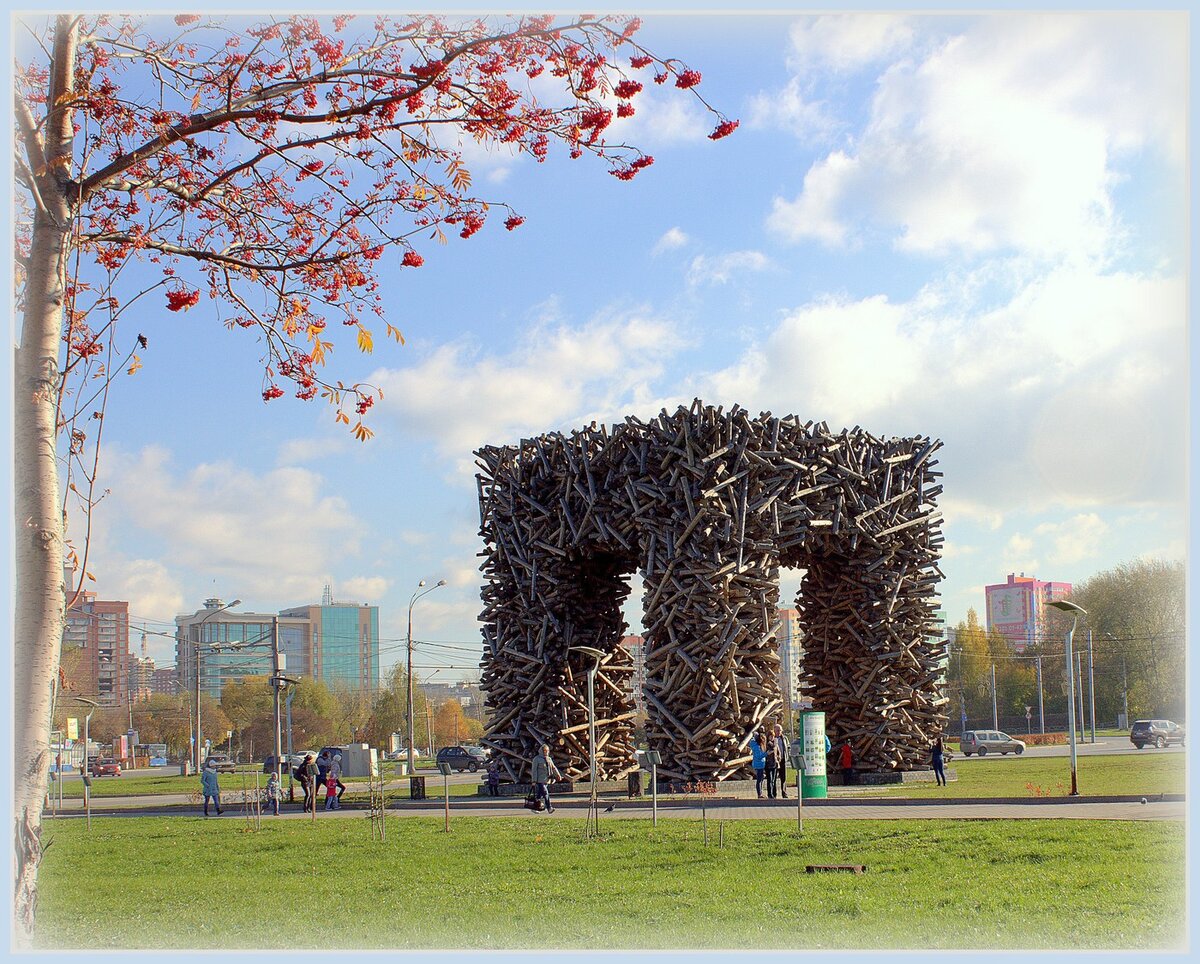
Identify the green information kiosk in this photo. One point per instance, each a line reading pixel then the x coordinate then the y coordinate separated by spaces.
pixel 814 783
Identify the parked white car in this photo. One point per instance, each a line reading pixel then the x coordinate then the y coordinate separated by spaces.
pixel 984 742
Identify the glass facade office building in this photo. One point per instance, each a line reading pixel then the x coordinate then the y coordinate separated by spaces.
pixel 342 644
pixel 337 643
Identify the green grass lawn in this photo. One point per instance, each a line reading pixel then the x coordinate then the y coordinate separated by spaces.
pixel 534 882
pixel 154 784
pixel 1014 776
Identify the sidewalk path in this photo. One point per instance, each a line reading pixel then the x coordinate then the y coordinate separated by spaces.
pixel 1172 807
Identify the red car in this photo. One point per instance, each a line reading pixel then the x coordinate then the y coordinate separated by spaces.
pixel 106 768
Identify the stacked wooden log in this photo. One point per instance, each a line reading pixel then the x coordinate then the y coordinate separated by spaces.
pixel 707 504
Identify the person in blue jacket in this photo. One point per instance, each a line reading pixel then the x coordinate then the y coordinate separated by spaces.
pixel 210 788
pixel 758 761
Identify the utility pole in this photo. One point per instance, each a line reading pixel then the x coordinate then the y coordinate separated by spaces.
pixel 1091 688
pixel 429 735
pixel 1124 690
pixel 291 782
pixel 1079 676
pixel 1041 707
pixel 995 717
pixel 276 683
pixel 196 666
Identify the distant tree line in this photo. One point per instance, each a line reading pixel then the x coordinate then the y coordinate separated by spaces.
pixel 1136 617
pixel 321 715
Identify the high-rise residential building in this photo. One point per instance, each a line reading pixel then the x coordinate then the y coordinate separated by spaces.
pixel 337 643
pixel 164 681
pixel 786 631
pixel 141 677
pixel 945 637
pixel 100 627
pixel 1017 608
pixel 636 647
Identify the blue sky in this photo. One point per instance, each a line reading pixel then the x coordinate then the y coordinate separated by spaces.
pixel 965 226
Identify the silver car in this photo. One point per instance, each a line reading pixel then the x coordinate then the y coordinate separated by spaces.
pixel 984 742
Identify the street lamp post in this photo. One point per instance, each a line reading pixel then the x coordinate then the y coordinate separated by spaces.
pixel 199 635
pixel 84 775
pixel 995 716
pixel 596 655
pixel 1075 611
pixel 409 715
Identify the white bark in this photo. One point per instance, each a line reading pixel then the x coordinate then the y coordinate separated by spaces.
pixel 39 596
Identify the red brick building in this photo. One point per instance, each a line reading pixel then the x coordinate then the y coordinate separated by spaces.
pixel 100 628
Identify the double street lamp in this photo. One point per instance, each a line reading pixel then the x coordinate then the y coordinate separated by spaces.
pixel 409 715
pixel 1076 612
pixel 593 816
pixel 596 655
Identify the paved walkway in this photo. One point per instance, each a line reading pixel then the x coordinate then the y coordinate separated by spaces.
pixel 1171 807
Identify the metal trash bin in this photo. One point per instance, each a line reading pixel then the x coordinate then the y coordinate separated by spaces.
pixel 416 788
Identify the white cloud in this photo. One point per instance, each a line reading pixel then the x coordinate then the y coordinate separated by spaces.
pixel 150 588
pixel 552 377
pixel 724 268
pixel 442 612
pixel 1037 398
pixel 362 589
pixel 671 239
pixel 814 213
pixel 793 110
pixel 847 41
pixel 299 450
pixel 960 509
pixel 1074 539
pixel 1017 555
pixel 662 118
pixel 955 550
pixel 1004 137
pixel 271 537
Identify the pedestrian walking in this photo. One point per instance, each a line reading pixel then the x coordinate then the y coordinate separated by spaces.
pixel 335 771
pixel 493 778
pixel 273 793
pixel 781 751
pixel 543 770
pixel 846 762
pixel 772 767
pixel 210 788
pixel 758 762
pixel 307 775
pixel 323 761
pixel 938 758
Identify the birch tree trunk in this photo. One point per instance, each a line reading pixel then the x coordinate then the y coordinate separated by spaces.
pixel 39 596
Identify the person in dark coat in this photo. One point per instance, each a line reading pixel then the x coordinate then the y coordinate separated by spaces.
pixel 781 751
pixel 937 756
pixel 772 767
pixel 307 775
pixel 323 763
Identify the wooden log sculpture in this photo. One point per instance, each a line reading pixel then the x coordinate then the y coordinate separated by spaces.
pixel 708 505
